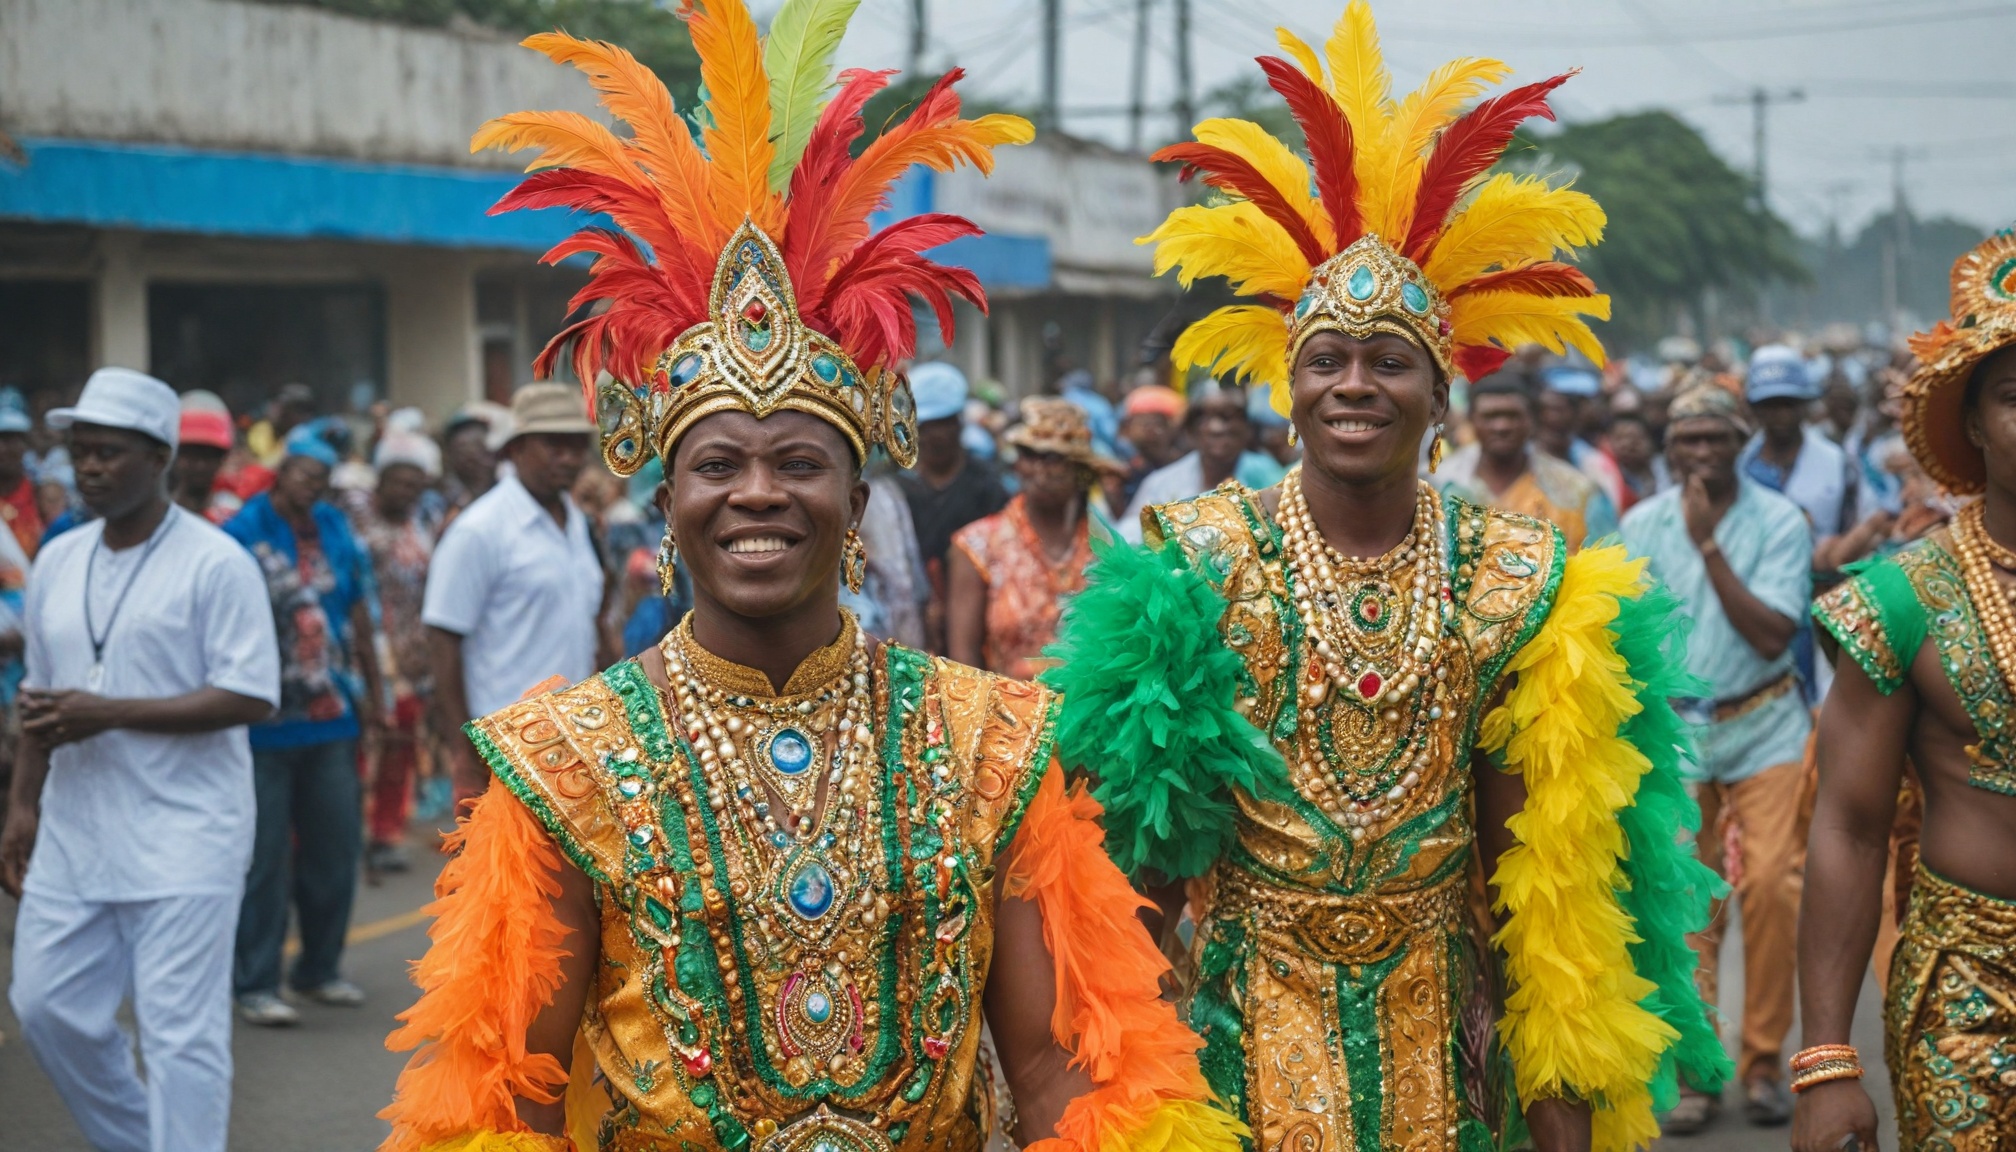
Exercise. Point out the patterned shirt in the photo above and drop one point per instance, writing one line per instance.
(1025, 590)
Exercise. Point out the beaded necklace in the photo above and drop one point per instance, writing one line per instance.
(1358, 666)
(1979, 555)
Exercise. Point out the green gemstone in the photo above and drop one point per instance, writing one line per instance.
(1415, 299)
(1362, 283)
(918, 1086)
(898, 1130)
(703, 1094)
(660, 915)
(733, 1135)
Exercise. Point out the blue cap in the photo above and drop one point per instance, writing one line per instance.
(939, 389)
(14, 412)
(1778, 372)
(1571, 381)
(307, 440)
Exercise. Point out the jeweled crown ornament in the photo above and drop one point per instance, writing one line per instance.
(1983, 323)
(743, 273)
(1392, 223)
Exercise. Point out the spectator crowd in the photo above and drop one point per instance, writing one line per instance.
(349, 589)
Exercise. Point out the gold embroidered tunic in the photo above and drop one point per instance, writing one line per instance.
(781, 1000)
(1342, 991)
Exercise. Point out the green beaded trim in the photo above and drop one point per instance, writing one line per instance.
(1969, 662)
(1034, 769)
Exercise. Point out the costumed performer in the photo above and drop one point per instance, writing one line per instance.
(1341, 692)
(743, 891)
(1926, 674)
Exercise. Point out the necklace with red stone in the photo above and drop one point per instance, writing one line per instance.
(1426, 604)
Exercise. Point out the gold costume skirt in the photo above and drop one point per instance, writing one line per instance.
(1950, 1020)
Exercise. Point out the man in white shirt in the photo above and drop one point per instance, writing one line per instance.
(149, 648)
(515, 592)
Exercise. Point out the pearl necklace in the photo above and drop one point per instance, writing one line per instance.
(1978, 554)
(722, 743)
(1315, 566)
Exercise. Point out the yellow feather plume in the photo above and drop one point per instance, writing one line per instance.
(1392, 174)
(738, 108)
(1512, 221)
(1304, 55)
(1515, 318)
(1248, 341)
(1236, 241)
(659, 139)
(1275, 161)
(1359, 81)
(564, 140)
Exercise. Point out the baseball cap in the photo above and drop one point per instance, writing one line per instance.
(939, 389)
(14, 412)
(1571, 381)
(1777, 371)
(205, 420)
(123, 398)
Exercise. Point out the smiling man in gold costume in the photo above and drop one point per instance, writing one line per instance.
(759, 888)
(1328, 705)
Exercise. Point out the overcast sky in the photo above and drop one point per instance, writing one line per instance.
(1935, 77)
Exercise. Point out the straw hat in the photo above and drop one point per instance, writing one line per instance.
(1053, 425)
(549, 408)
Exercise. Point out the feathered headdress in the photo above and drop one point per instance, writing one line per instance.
(1983, 323)
(743, 273)
(1367, 235)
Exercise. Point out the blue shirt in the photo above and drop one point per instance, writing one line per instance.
(1766, 541)
(318, 684)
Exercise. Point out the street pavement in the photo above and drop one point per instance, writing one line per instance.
(316, 1088)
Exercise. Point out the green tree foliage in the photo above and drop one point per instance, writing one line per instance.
(1682, 221)
(647, 28)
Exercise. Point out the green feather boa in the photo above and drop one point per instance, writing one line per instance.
(1669, 890)
(1148, 688)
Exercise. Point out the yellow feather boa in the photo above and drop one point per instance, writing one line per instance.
(1574, 1022)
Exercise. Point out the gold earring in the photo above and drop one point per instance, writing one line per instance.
(668, 559)
(1294, 437)
(854, 562)
(1435, 450)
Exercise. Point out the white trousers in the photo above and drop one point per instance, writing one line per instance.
(76, 961)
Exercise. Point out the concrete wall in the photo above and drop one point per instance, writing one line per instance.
(266, 78)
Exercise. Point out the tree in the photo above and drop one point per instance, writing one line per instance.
(1682, 221)
(650, 31)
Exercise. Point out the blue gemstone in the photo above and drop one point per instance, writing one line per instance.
(811, 891)
(641, 391)
(818, 1007)
(685, 370)
(1415, 299)
(756, 338)
(1362, 283)
(826, 367)
(791, 751)
(1303, 305)
(625, 446)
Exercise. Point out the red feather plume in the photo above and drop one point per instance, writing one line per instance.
(1328, 132)
(826, 158)
(868, 305)
(1544, 278)
(1476, 361)
(689, 270)
(1233, 173)
(1465, 149)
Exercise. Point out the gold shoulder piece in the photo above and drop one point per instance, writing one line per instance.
(1000, 734)
(1507, 567)
(551, 751)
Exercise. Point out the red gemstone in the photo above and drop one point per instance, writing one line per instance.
(936, 1046)
(1369, 685)
(699, 1062)
(1372, 608)
(754, 311)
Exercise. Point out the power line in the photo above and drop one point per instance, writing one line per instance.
(1760, 101)
(1529, 35)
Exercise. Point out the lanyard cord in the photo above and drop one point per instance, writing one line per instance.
(90, 629)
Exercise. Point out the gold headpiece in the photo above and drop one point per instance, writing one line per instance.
(755, 355)
(1392, 224)
(1370, 288)
(1983, 323)
(807, 308)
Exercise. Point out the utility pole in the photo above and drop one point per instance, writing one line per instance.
(1186, 109)
(1897, 250)
(1760, 101)
(1053, 64)
(1137, 103)
(919, 31)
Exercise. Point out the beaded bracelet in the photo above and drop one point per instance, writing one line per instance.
(1820, 1053)
(1825, 1071)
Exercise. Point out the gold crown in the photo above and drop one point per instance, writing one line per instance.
(754, 355)
(1983, 323)
(1370, 288)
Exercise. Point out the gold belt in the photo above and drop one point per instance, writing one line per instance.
(1335, 928)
